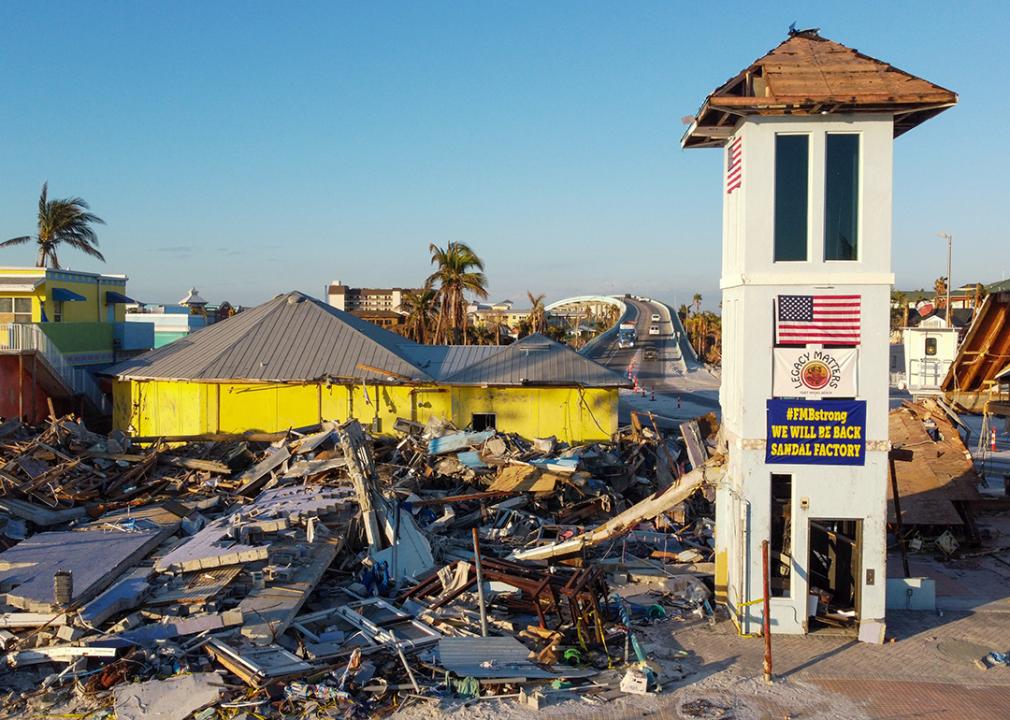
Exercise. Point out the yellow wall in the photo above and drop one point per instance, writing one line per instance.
(570, 414)
(184, 408)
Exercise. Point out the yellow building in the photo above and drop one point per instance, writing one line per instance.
(295, 361)
(55, 327)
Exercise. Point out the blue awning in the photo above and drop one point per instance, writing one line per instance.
(64, 295)
(112, 297)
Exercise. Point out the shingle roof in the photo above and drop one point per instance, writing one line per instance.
(535, 360)
(808, 74)
(297, 338)
(292, 337)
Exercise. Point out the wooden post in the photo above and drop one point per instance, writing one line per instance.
(21, 386)
(480, 585)
(767, 622)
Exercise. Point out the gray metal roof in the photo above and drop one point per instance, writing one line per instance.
(292, 337)
(297, 338)
(536, 360)
(440, 361)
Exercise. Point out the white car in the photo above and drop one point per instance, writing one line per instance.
(654, 329)
(656, 318)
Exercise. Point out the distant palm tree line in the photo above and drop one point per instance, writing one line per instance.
(704, 330)
(437, 313)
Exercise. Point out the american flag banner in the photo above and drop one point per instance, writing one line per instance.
(734, 165)
(821, 319)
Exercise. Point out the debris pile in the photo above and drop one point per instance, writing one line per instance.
(323, 571)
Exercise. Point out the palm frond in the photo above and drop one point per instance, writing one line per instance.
(17, 241)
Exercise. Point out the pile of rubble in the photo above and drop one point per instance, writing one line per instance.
(322, 572)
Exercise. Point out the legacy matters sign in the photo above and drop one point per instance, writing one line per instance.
(800, 372)
(826, 432)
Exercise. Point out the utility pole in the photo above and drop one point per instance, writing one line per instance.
(948, 238)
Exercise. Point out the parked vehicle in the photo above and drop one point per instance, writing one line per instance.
(654, 329)
(626, 335)
(656, 318)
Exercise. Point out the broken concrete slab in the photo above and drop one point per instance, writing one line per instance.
(94, 559)
(172, 699)
(125, 594)
(149, 634)
(271, 609)
(216, 545)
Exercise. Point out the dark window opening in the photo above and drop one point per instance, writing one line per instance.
(792, 169)
(483, 421)
(841, 198)
(930, 346)
(780, 544)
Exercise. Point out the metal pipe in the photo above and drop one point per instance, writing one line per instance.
(767, 629)
(480, 584)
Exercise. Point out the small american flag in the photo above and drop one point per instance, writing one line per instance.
(734, 165)
(823, 319)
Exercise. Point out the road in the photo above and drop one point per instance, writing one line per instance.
(664, 365)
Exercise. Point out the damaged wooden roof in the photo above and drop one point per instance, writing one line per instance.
(811, 75)
(971, 379)
(940, 474)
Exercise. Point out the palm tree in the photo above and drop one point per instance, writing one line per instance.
(940, 288)
(419, 305)
(899, 310)
(537, 316)
(697, 302)
(458, 271)
(61, 221)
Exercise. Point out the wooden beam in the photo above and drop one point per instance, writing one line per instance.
(806, 100)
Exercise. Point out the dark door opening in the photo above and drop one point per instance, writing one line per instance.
(836, 547)
(483, 421)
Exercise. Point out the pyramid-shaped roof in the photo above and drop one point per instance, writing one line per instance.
(536, 360)
(291, 338)
(811, 75)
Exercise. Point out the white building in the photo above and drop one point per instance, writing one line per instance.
(806, 133)
(930, 348)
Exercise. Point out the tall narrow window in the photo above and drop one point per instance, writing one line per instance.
(841, 198)
(781, 535)
(791, 196)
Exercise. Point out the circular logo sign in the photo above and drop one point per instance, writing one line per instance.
(815, 374)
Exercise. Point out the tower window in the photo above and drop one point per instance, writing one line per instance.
(841, 198)
(781, 534)
(792, 171)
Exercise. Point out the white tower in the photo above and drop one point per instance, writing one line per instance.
(806, 133)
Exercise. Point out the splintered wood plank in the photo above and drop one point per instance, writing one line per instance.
(254, 478)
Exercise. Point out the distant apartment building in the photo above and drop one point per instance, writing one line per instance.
(369, 300)
(498, 313)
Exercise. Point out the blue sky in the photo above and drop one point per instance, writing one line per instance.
(250, 148)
